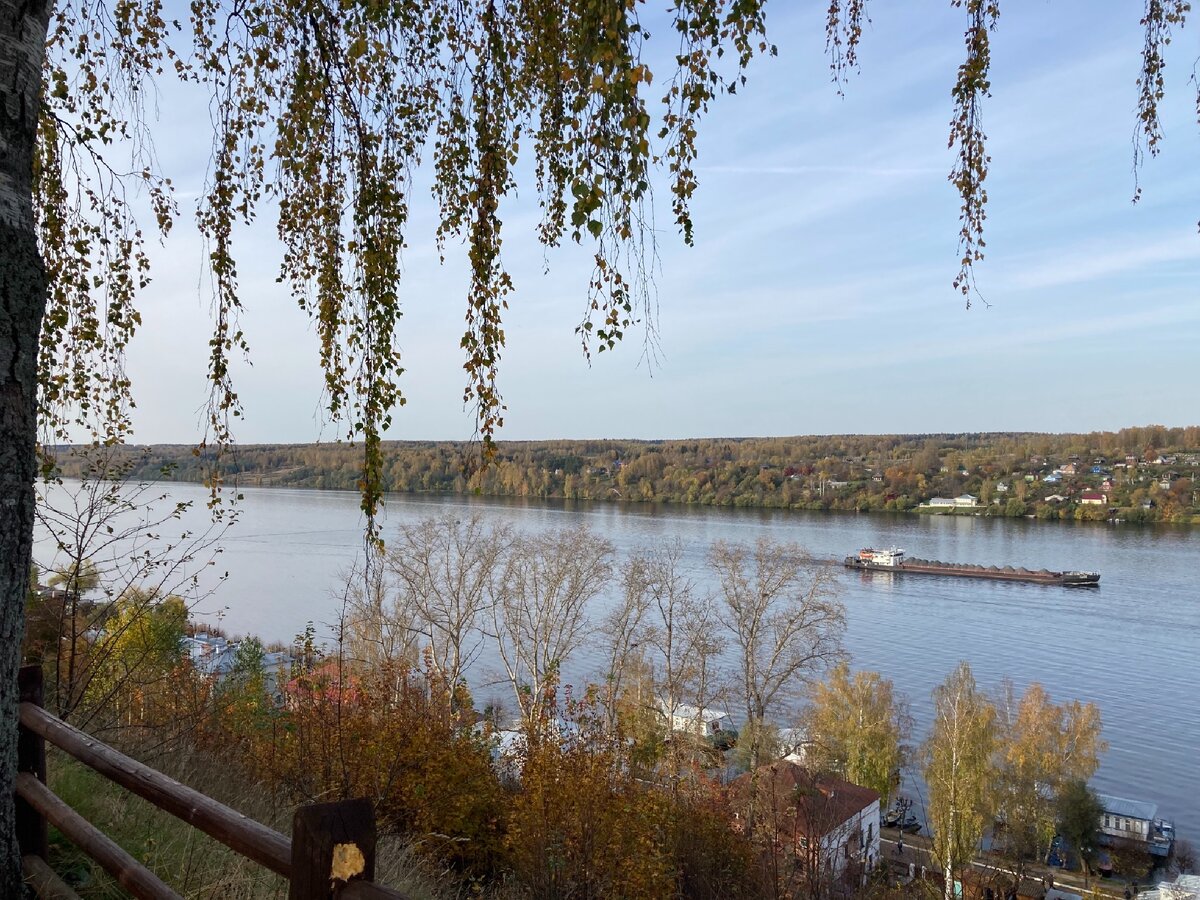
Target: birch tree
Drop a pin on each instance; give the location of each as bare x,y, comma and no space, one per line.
320,115
626,632
1043,746
958,772
856,728
540,610
112,542
785,622
444,569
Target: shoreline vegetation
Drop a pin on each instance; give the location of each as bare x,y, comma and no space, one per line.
655,777
1140,474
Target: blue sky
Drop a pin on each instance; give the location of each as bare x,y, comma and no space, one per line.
818,296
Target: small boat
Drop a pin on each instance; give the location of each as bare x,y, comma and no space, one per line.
900,817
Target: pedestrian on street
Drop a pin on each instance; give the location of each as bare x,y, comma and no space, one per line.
900,847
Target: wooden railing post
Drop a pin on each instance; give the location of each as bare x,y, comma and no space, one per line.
31,758
332,844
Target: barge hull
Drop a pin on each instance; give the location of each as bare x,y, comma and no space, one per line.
1065,579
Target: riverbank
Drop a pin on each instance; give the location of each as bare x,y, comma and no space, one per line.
1049,477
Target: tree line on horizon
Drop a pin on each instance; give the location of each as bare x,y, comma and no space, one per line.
832,472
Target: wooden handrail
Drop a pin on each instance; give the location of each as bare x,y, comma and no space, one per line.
331,851
44,880
368,890
130,874
238,832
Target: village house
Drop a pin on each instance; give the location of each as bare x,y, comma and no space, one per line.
1093,498
693,719
215,657
1184,887
1134,823
819,820
794,744
963,501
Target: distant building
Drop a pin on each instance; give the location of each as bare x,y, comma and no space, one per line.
1002,487
693,719
1134,823
794,744
966,500
823,821
1093,498
214,656
210,654
1184,887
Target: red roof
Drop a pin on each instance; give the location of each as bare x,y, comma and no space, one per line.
818,802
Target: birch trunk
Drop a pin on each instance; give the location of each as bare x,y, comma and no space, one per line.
23,26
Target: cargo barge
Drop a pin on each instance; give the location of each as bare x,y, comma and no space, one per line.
893,561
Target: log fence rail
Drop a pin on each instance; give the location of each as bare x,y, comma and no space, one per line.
331,852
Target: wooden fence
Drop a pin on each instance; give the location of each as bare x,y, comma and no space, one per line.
331,852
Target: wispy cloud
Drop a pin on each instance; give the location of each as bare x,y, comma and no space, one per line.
1105,259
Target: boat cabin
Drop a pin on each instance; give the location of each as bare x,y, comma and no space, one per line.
890,557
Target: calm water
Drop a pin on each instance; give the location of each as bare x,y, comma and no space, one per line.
1132,646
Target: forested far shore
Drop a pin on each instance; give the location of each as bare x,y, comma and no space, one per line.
1140,474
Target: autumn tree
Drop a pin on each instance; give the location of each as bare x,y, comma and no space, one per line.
625,632
958,771
320,115
114,543
376,628
781,610
139,647
444,570
540,614
685,639
1042,748
856,726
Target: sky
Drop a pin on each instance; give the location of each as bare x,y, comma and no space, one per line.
817,298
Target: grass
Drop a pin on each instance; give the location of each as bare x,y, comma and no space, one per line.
189,861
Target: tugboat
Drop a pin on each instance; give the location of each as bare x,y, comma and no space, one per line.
892,560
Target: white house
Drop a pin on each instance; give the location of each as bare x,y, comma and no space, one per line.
1134,823
968,501
210,654
941,502
827,821
1184,887
1126,818
685,717
794,744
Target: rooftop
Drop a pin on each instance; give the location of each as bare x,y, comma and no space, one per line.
1132,809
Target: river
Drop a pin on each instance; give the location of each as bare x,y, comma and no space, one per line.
1132,646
